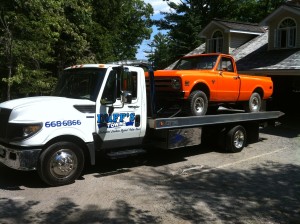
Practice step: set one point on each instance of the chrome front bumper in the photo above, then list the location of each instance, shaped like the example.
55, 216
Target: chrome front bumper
19, 159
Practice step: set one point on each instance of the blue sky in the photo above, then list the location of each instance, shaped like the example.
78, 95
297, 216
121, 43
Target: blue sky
158, 6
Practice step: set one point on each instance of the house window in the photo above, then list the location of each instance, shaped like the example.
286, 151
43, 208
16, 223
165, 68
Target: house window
285, 35
215, 44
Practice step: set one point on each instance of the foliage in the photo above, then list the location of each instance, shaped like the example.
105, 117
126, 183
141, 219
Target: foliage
39, 38
159, 53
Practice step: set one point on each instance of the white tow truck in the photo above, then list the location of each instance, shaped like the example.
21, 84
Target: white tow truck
107, 108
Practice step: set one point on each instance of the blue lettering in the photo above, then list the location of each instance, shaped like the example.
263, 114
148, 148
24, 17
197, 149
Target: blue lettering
132, 117
110, 118
115, 117
115, 120
122, 116
104, 118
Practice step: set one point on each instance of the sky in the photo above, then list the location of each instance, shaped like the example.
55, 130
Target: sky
158, 6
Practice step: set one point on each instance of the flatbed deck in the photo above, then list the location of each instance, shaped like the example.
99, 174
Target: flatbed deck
195, 121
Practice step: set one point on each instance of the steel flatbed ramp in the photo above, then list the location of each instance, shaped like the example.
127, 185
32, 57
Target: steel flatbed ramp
194, 121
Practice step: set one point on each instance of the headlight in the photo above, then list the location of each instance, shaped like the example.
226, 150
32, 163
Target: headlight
31, 130
18, 132
176, 84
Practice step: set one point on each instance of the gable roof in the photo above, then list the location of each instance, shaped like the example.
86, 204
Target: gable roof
255, 56
292, 8
233, 27
256, 44
275, 60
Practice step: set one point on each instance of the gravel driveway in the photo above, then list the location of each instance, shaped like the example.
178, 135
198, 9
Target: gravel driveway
202, 184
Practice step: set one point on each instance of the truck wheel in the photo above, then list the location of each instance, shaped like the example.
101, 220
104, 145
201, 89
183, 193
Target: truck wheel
61, 163
236, 139
254, 104
198, 103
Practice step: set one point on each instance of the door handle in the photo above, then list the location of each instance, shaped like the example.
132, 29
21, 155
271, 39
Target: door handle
236, 77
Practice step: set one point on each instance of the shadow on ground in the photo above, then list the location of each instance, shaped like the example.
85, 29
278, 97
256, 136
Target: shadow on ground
289, 127
67, 211
14, 179
268, 193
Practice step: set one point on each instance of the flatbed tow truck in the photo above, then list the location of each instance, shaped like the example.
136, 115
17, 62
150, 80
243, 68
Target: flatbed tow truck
106, 108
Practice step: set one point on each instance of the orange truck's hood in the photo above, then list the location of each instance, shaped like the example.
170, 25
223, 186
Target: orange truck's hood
165, 73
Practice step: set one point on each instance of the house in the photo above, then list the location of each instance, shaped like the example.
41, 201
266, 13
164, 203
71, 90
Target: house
279, 52
270, 48
226, 36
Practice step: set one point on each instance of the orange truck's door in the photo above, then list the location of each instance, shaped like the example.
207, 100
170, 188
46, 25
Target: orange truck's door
228, 81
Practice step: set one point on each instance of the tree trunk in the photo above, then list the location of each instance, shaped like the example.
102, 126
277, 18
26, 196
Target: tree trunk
8, 83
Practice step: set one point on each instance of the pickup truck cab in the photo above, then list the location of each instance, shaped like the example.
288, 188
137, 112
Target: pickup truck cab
203, 81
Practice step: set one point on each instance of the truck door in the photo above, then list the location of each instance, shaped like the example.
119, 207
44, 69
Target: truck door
118, 120
228, 81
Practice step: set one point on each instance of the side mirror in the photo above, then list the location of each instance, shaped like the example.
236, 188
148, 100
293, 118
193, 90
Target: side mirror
126, 97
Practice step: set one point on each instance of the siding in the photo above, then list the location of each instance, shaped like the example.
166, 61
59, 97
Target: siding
226, 43
238, 39
274, 25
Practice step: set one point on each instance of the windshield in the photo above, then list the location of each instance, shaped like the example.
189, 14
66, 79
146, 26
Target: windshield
80, 83
204, 62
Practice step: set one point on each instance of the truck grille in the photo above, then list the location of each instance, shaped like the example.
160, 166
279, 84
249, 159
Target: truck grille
163, 84
4, 116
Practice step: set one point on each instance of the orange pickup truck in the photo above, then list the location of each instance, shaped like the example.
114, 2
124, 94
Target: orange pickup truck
204, 81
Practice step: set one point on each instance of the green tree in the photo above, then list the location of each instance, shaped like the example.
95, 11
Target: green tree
39, 38
72, 30
254, 11
6, 41
188, 18
119, 27
159, 52
31, 39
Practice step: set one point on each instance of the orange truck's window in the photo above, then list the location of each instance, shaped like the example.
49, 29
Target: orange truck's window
225, 65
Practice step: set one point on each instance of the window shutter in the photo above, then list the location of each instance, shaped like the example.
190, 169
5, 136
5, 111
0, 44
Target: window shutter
292, 37
209, 48
276, 39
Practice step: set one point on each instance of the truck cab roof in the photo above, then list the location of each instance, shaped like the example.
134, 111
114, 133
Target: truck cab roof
92, 66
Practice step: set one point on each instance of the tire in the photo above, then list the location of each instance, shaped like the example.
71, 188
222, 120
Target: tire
60, 164
198, 103
254, 104
236, 139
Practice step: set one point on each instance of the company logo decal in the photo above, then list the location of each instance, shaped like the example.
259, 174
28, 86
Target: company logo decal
115, 120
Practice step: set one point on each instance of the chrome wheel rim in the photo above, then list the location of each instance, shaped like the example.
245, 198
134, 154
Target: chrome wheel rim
255, 104
63, 163
239, 139
199, 105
